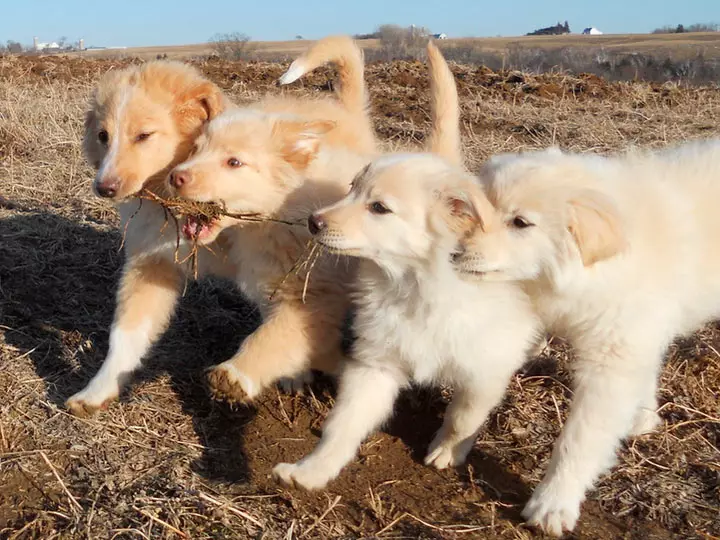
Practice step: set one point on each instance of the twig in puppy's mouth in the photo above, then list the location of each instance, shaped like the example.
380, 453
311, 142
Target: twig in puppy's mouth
200, 217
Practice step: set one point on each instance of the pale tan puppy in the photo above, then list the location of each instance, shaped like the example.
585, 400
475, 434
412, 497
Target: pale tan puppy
281, 166
142, 122
416, 320
619, 256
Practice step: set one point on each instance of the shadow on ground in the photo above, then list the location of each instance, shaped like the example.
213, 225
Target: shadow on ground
57, 287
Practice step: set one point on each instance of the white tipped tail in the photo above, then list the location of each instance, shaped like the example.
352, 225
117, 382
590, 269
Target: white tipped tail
294, 72
347, 56
445, 109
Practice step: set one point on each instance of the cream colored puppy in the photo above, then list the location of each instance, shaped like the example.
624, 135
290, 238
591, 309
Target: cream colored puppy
619, 255
416, 321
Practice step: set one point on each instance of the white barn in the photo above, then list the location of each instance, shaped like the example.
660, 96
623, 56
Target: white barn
592, 31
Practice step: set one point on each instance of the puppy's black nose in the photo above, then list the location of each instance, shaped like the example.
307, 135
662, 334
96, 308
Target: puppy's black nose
316, 224
107, 190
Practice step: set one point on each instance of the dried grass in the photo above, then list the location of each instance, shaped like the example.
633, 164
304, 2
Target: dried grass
167, 461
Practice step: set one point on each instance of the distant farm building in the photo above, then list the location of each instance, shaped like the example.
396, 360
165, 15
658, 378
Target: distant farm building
439, 36
37, 46
592, 31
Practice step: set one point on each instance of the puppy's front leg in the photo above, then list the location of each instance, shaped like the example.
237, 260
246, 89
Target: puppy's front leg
464, 418
285, 345
606, 399
365, 400
146, 299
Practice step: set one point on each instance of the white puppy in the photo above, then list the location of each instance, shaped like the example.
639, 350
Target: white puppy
416, 320
619, 256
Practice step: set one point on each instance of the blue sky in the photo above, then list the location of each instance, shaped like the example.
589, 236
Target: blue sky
176, 22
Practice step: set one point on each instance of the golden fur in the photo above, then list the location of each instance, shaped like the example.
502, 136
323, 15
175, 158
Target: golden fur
285, 167
142, 122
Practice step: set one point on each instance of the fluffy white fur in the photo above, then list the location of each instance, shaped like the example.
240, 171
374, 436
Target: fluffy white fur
619, 255
416, 320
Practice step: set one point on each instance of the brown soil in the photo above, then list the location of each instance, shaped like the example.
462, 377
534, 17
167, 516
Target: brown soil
166, 458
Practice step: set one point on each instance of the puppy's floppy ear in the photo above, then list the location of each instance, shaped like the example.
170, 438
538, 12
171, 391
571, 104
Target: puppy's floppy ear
199, 104
464, 208
300, 140
596, 227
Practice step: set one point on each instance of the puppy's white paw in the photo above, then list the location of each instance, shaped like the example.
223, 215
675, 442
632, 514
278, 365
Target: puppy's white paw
446, 453
85, 406
296, 385
94, 397
299, 475
646, 420
552, 512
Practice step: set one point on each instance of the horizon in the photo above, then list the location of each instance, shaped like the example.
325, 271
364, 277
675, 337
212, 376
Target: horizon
163, 20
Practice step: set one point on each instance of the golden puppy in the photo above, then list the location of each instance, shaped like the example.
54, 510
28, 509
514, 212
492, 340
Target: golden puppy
284, 167
142, 122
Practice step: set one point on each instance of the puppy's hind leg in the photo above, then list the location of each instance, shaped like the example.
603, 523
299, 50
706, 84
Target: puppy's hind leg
365, 400
146, 300
607, 396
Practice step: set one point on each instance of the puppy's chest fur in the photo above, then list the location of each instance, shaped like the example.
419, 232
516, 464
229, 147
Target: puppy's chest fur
439, 330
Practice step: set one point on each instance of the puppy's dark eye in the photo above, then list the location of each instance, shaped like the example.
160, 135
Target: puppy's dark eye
103, 136
379, 208
143, 137
520, 222
234, 163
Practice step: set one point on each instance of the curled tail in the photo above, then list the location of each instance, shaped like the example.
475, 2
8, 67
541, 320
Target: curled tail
347, 56
445, 109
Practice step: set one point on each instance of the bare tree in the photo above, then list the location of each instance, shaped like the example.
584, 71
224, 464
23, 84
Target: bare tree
680, 29
703, 27
398, 43
14, 47
232, 46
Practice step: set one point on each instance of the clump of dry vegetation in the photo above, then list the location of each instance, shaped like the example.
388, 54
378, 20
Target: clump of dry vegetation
169, 462
399, 43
